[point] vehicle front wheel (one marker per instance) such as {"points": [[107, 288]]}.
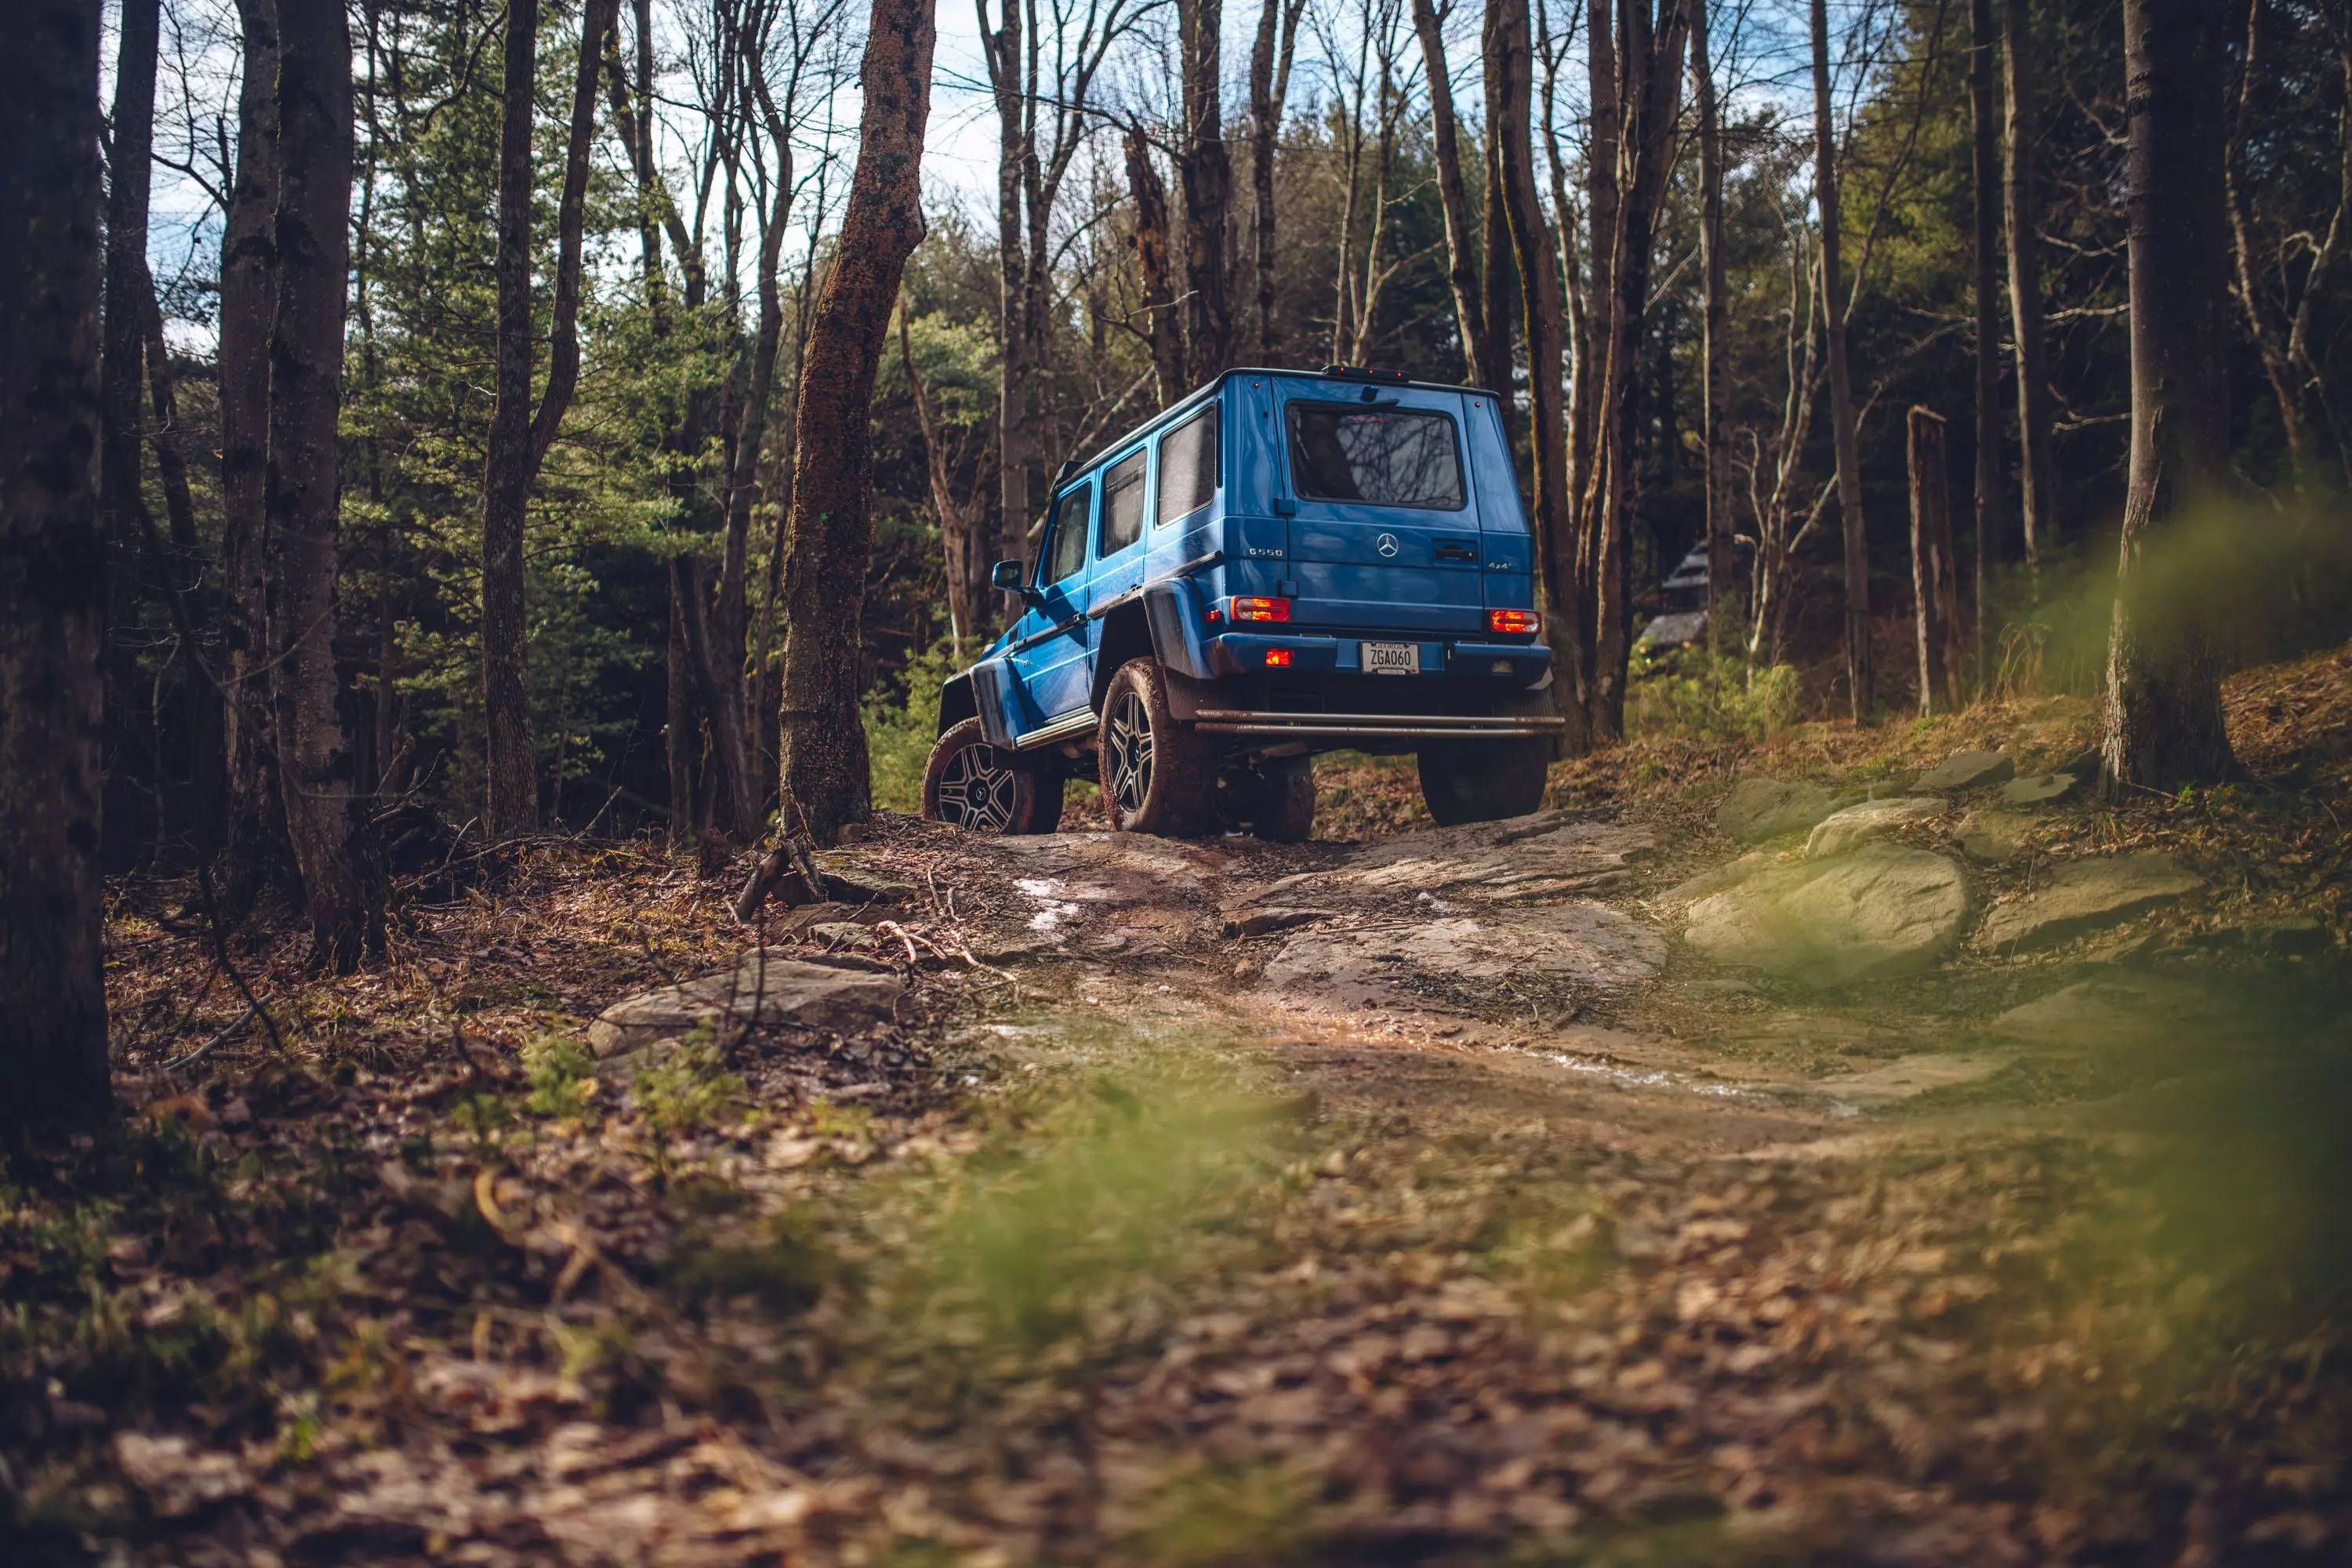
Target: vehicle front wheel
{"points": [[1482, 780], [971, 785], [1158, 773]]}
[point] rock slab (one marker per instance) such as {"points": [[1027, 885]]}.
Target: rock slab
{"points": [[2041, 789], [1873, 820], [1881, 911], [763, 988], [1758, 809], [1966, 770], [2087, 895]]}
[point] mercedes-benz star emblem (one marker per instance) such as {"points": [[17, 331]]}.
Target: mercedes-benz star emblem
{"points": [[1386, 545]]}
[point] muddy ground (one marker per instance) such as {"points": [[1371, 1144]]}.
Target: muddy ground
{"points": [[1410, 1195]]}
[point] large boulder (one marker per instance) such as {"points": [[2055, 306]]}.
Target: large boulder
{"points": [[2087, 895], [1966, 770], [763, 988], [1868, 822], [1758, 809], [1882, 909]]}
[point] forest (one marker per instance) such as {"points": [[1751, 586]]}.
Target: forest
{"points": [[490, 495]]}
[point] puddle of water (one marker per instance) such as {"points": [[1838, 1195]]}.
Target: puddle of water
{"points": [[1051, 910]]}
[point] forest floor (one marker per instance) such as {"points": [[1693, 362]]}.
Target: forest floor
{"points": [[1409, 1195]]}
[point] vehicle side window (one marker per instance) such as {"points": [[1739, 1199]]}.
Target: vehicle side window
{"points": [[1122, 511], [1068, 548], [1190, 466], [1377, 456]]}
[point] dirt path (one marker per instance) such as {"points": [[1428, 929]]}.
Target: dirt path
{"points": [[1430, 1199]]}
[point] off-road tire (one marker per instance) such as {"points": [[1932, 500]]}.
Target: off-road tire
{"points": [[1158, 773], [971, 784], [1285, 806], [1482, 780]]}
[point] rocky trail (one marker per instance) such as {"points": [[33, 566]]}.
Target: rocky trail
{"points": [[1904, 1165]]}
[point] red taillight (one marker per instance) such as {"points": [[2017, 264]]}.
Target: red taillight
{"points": [[1278, 659], [1244, 608], [1511, 620]]}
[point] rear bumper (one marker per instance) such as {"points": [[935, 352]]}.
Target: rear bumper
{"points": [[1497, 663]]}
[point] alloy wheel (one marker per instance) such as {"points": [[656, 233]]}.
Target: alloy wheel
{"points": [[1126, 741], [975, 791]]}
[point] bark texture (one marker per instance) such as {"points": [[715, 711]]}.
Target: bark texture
{"points": [[258, 854], [122, 509], [1722, 565], [520, 436], [1270, 57], [1842, 415], [1509, 52], [326, 819], [1983, 166], [52, 576], [1646, 96], [2164, 725], [2023, 215], [1461, 248], [825, 782], [1161, 328], [1206, 178], [1934, 588]]}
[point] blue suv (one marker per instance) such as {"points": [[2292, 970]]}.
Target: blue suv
{"points": [[1283, 563]]}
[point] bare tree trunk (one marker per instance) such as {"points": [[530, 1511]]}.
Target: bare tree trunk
{"points": [[1509, 84], [1934, 588], [258, 854], [1205, 176], [1277, 37], [121, 507], [685, 718], [2024, 218], [520, 436], [1461, 258], [1018, 442], [1984, 148], [1161, 325], [326, 819], [1721, 566], [2164, 724], [1649, 61], [825, 782], [1841, 415], [201, 703], [52, 577], [967, 575]]}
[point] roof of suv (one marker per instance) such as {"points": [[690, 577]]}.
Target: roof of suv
{"points": [[1348, 374]]}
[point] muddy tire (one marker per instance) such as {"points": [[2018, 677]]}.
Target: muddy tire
{"points": [[971, 784], [1482, 780], [1274, 800], [1158, 773]]}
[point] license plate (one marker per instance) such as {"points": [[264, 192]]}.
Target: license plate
{"points": [[1391, 658]]}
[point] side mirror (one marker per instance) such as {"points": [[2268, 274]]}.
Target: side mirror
{"points": [[1008, 576]]}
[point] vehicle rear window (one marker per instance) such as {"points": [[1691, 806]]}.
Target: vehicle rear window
{"points": [[1188, 467], [1381, 457], [1122, 517], [1069, 531]]}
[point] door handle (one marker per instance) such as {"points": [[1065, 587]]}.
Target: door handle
{"points": [[1449, 552]]}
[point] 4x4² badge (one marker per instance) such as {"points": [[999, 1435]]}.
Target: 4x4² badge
{"points": [[1386, 545]]}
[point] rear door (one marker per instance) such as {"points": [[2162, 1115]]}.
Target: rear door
{"points": [[1384, 534]]}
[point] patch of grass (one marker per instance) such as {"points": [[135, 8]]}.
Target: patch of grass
{"points": [[562, 1076], [1691, 693]]}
